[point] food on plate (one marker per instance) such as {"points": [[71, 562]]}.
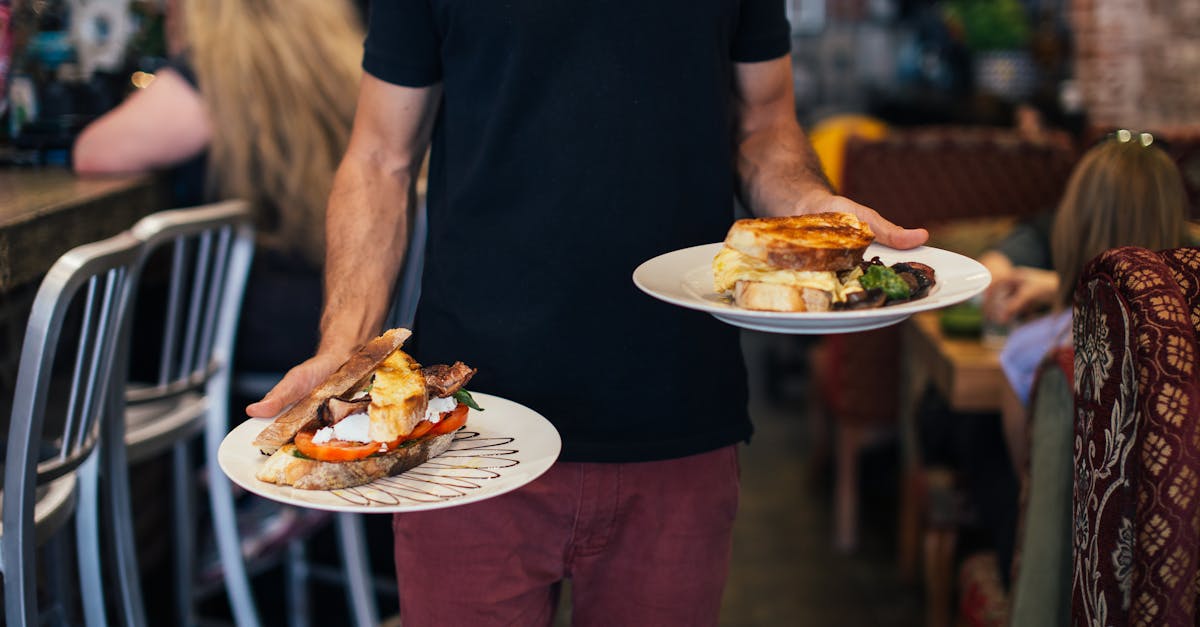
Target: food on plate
{"points": [[379, 414], [811, 263]]}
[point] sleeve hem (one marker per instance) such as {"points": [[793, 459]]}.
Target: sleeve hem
{"points": [[392, 70], [762, 49]]}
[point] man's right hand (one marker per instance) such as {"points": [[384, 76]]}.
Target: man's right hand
{"points": [[296, 384]]}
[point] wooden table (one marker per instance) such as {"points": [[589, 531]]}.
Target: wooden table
{"points": [[966, 373]]}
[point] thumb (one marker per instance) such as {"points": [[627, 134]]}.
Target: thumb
{"points": [[886, 232], [901, 238], [286, 392], [298, 382]]}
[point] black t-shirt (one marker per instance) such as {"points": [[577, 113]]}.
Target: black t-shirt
{"points": [[575, 141]]}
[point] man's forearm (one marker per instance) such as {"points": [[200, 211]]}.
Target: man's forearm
{"points": [[366, 239], [778, 170], [776, 167]]}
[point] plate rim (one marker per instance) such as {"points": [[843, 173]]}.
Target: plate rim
{"points": [[812, 322], [283, 494]]}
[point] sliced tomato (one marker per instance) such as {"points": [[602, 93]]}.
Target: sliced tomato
{"points": [[421, 429], [336, 450], [451, 421], [343, 451]]}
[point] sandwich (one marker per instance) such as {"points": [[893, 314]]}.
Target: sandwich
{"points": [[811, 263], [379, 414], [791, 263]]}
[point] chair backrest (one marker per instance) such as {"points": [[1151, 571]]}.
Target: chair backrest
{"points": [[68, 356], [210, 251], [1137, 449], [930, 175], [1041, 589]]}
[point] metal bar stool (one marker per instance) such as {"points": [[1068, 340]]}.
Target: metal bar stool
{"points": [[209, 248], [77, 315]]}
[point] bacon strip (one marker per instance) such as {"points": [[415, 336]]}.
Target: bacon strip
{"points": [[336, 409], [443, 380]]}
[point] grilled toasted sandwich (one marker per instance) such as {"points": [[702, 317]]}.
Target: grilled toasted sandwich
{"points": [[791, 263], [379, 414]]}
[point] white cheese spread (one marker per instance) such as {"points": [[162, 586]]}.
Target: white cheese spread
{"points": [[439, 406], [352, 428]]}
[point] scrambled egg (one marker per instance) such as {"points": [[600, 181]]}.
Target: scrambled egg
{"points": [[731, 266], [398, 397]]}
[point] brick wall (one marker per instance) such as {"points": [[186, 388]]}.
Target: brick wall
{"points": [[1137, 61]]}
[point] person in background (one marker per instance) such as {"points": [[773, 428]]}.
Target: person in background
{"points": [[1120, 193], [1022, 276], [258, 106], [1126, 191], [1020, 264], [570, 143]]}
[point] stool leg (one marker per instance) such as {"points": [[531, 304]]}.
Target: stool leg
{"points": [[185, 532], [87, 534], [941, 536], [116, 485], [359, 591], [848, 446], [233, 565], [57, 580], [910, 528], [297, 577]]}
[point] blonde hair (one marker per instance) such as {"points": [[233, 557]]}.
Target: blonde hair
{"points": [[1120, 194], [280, 79]]}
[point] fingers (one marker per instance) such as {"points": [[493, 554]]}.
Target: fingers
{"points": [[286, 392], [897, 237], [296, 384], [886, 232]]}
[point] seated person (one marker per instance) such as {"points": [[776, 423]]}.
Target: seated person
{"points": [[1023, 282], [258, 107], [1120, 193], [1124, 192]]}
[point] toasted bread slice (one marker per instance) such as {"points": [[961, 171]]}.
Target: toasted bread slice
{"points": [[777, 297], [359, 366], [820, 241], [285, 468]]}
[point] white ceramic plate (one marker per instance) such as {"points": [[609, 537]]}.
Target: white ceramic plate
{"points": [[684, 278], [501, 449]]}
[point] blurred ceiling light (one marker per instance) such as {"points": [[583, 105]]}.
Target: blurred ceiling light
{"points": [[141, 80]]}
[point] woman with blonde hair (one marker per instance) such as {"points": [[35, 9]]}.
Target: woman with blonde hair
{"points": [[1126, 191], [257, 106]]}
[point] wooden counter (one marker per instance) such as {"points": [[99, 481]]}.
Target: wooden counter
{"points": [[45, 212]]}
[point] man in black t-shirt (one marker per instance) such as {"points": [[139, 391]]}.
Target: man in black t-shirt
{"points": [[570, 142]]}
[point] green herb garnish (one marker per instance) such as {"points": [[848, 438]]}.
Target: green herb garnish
{"points": [[464, 397], [886, 279], [296, 453]]}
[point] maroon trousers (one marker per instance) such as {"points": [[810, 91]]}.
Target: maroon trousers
{"points": [[643, 543]]}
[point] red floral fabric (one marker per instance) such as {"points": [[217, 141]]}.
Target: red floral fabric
{"points": [[1137, 440]]}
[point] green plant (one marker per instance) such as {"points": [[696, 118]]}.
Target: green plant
{"points": [[988, 24]]}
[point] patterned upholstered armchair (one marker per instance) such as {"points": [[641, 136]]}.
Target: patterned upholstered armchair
{"points": [[1136, 505]]}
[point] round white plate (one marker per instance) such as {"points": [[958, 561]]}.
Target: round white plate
{"points": [[501, 449], [684, 278]]}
